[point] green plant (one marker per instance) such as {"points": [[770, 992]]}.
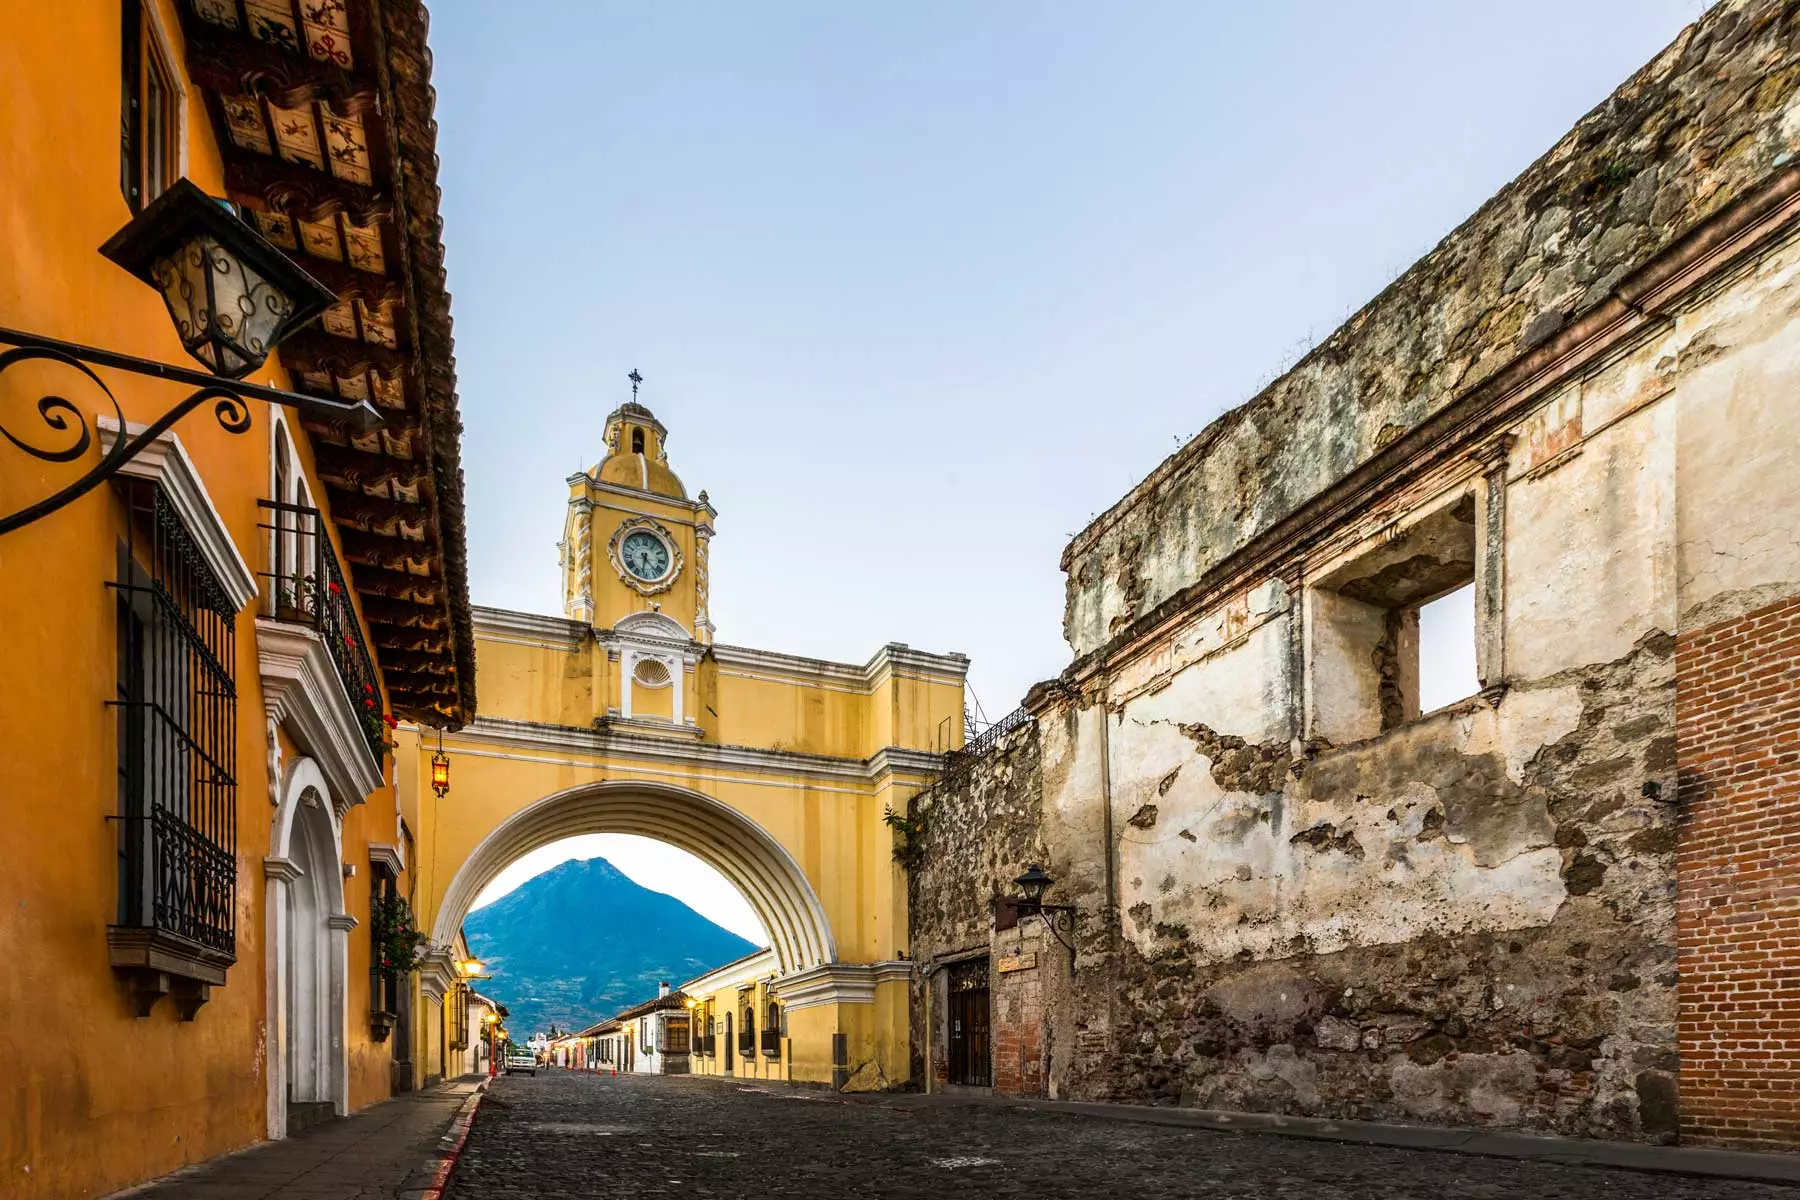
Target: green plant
{"points": [[397, 943], [909, 836]]}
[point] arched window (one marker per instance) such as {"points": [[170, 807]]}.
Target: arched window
{"points": [[637, 441], [773, 1018]]}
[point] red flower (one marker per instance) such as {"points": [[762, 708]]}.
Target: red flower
{"points": [[349, 641], [389, 718], [368, 689], [333, 588], [368, 703]]}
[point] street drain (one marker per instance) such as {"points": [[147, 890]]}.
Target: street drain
{"points": [[576, 1127]]}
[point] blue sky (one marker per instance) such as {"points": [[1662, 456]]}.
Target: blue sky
{"points": [[919, 288]]}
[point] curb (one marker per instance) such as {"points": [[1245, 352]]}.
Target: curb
{"points": [[1562, 1151], [433, 1175]]}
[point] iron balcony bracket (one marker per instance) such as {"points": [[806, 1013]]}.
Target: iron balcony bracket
{"points": [[65, 418]]}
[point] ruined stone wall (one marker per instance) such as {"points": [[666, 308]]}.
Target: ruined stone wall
{"points": [[1298, 893], [971, 839], [1713, 117]]}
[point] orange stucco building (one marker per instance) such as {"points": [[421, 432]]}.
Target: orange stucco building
{"points": [[197, 656]]}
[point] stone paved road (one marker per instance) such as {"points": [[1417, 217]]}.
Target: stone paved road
{"points": [[565, 1135]]}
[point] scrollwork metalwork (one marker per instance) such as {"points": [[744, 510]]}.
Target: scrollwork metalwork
{"points": [[64, 418], [59, 413]]}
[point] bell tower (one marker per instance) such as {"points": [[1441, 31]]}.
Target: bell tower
{"points": [[634, 567]]}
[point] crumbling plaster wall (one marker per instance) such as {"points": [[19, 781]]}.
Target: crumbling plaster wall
{"points": [[1712, 117], [1468, 919], [1471, 918]]}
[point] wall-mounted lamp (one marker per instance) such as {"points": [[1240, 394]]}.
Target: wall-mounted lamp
{"points": [[1057, 918], [231, 296], [440, 769]]}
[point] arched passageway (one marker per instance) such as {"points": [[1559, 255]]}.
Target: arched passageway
{"points": [[755, 863]]}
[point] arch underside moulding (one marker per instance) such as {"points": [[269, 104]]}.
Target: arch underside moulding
{"points": [[755, 863]]}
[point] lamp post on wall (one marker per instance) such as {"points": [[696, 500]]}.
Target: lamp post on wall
{"points": [[232, 297], [1030, 903]]}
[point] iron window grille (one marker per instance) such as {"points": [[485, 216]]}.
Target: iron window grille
{"points": [[304, 584], [176, 705]]}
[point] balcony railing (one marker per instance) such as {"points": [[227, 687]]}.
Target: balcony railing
{"points": [[771, 1043], [747, 1044], [704, 1043], [303, 584]]}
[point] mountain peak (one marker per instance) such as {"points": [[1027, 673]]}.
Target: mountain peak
{"points": [[581, 941]]}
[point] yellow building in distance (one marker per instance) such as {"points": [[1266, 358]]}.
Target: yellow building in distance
{"points": [[625, 716]]}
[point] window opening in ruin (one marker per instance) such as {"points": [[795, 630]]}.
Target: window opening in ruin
{"points": [[1447, 649], [1369, 667]]}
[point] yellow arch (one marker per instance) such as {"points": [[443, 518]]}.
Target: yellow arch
{"points": [[755, 863]]}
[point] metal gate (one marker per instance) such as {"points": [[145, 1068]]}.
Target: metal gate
{"points": [[970, 1062]]}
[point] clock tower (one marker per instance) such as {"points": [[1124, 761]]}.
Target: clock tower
{"points": [[634, 564]]}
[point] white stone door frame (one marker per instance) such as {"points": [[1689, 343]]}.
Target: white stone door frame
{"points": [[304, 880]]}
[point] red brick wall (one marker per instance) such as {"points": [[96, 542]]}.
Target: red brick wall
{"points": [[1738, 863]]}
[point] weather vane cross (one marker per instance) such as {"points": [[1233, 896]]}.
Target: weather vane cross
{"points": [[635, 380]]}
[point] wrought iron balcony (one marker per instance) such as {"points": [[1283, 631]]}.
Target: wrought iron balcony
{"points": [[303, 584], [704, 1043], [771, 1043], [747, 1044]]}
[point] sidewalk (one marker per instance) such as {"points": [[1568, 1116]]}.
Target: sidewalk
{"points": [[396, 1148], [1567, 1151]]}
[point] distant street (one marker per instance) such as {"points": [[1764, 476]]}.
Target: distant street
{"points": [[562, 1134]]}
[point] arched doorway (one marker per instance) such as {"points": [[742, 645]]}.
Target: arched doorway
{"points": [[755, 863], [308, 930]]}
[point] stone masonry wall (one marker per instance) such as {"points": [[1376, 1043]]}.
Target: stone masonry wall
{"points": [[1562, 903], [1562, 1025], [974, 838], [1712, 117]]}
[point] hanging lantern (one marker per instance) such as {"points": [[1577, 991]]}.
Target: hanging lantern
{"points": [[231, 294], [440, 774]]}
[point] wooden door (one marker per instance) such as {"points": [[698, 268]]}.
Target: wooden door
{"points": [[970, 1063]]}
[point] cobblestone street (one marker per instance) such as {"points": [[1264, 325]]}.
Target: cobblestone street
{"points": [[559, 1134]]}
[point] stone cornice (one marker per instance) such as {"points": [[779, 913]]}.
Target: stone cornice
{"points": [[383, 855], [1640, 305], [839, 983], [166, 463], [284, 869], [303, 694], [892, 659], [505, 624], [752, 966], [667, 750]]}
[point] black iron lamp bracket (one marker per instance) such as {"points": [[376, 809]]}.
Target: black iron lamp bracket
{"points": [[69, 425]]}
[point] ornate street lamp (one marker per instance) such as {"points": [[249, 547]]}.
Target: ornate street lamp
{"points": [[231, 295], [1057, 918], [1032, 885]]}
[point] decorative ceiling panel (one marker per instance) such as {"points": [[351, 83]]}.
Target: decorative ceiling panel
{"points": [[347, 144], [272, 21], [364, 245], [278, 228], [297, 135], [327, 25], [321, 238], [244, 119], [340, 319], [223, 13]]}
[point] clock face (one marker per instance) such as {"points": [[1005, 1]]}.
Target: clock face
{"points": [[645, 556]]}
